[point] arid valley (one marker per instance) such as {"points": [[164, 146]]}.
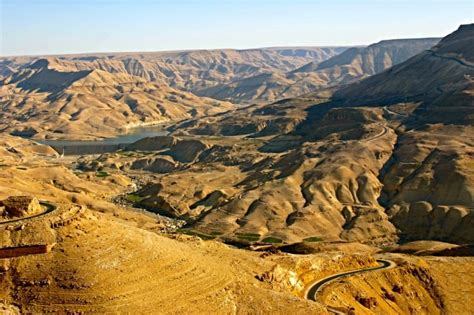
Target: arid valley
{"points": [[305, 180]]}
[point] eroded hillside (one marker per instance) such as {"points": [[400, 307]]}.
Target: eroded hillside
{"points": [[335, 170], [353, 64], [367, 188], [47, 100], [87, 254]]}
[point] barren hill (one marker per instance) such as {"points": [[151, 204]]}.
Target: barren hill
{"points": [[49, 99], [90, 255], [241, 209], [441, 78], [188, 70], [375, 58], [338, 169], [348, 66]]}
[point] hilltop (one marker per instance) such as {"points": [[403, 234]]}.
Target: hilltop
{"points": [[48, 99], [353, 64]]}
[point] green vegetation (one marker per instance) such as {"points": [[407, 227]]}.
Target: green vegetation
{"points": [[251, 237], [313, 239], [102, 174], [216, 233], [201, 235], [386, 249], [134, 198], [273, 240]]}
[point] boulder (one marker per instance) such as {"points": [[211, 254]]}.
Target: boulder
{"points": [[20, 206]]}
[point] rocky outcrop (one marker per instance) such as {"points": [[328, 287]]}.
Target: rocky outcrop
{"points": [[20, 206]]}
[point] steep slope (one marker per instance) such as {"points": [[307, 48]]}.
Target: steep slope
{"points": [[352, 64], [441, 78], [102, 265], [48, 99], [355, 168], [186, 70], [375, 58], [103, 258], [428, 181]]}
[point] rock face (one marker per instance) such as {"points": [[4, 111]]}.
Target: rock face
{"points": [[445, 87], [421, 221], [18, 251], [20, 206], [408, 289], [428, 183], [352, 64], [370, 60]]}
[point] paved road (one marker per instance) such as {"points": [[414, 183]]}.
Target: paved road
{"points": [[452, 58], [386, 109], [380, 134], [316, 287]]}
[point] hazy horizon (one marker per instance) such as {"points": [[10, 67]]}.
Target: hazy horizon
{"points": [[56, 27]]}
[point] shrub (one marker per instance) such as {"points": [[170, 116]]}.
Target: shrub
{"points": [[201, 235], [273, 240], [251, 237], [134, 198], [313, 239]]}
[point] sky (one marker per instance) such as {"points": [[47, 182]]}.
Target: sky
{"points": [[39, 27]]}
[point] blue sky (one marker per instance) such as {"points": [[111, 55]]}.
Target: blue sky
{"points": [[73, 26]]}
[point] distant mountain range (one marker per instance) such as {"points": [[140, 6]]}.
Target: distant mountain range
{"points": [[189, 70], [101, 94], [352, 64], [88, 96], [49, 99]]}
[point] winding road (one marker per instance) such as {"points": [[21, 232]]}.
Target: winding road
{"points": [[49, 207], [316, 287]]}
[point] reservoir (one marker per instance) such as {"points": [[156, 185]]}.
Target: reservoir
{"points": [[83, 147]]}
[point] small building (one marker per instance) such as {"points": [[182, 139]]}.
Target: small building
{"points": [[20, 206]]}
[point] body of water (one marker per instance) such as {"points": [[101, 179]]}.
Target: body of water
{"points": [[82, 147]]}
